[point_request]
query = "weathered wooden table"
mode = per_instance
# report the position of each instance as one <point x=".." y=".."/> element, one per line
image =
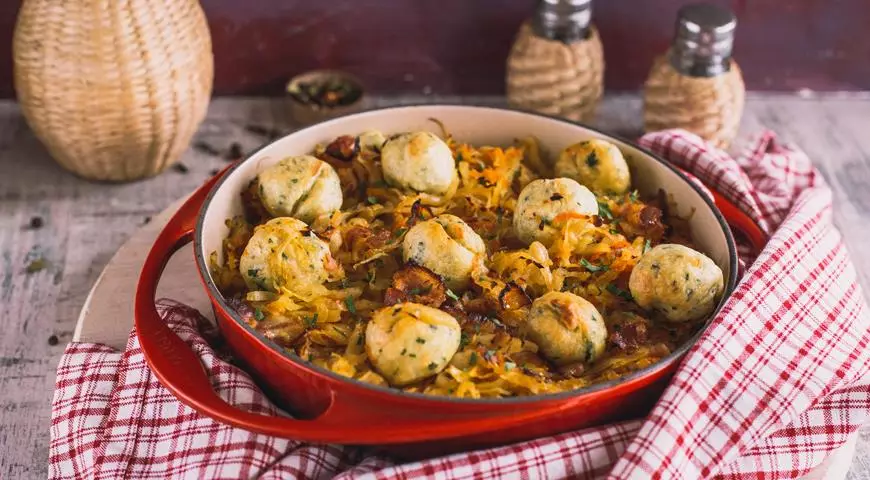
<point x="86" y="222"/>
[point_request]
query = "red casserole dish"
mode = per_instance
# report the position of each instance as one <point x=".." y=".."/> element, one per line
<point x="330" y="408"/>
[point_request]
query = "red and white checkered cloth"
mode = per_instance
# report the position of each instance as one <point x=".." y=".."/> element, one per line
<point x="776" y="383"/>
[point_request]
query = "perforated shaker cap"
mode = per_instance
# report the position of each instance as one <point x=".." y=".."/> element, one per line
<point x="703" y="39"/>
<point x="563" y="20"/>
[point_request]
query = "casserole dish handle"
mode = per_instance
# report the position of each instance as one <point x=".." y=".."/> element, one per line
<point x="741" y="222"/>
<point x="736" y="218"/>
<point x="179" y="369"/>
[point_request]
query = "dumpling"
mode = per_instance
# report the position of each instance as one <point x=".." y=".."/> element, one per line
<point x="567" y="328"/>
<point x="447" y="246"/>
<point x="284" y="253"/>
<point x="408" y="342"/>
<point x="597" y="164"/>
<point x="679" y="282"/>
<point x="419" y="161"/>
<point x="372" y="140"/>
<point x="543" y="200"/>
<point x="302" y="187"/>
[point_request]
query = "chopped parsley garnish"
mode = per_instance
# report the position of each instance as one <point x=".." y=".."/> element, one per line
<point x="619" y="292"/>
<point x="646" y="245"/>
<point x="421" y="340"/>
<point x="258" y="314"/>
<point x="433" y="366"/>
<point x="310" y="322"/>
<point x="591" y="267"/>
<point x="253" y="272"/>
<point x="492" y="318"/>
<point x="633" y="196"/>
<point x="400" y="232"/>
<point x="412" y="355"/>
<point x="604" y="210"/>
<point x="592" y="159"/>
<point x="590" y="350"/>
<point x="372" y="200"/>
<point x="472" y="360"/>
<point x="404" y="351"/>
<point x="452" y="295"/>
<point x="463" y="340"/>
<point x="351" y="307"/>
<point x="420" y="290"/>
<point x="489" y="355"/>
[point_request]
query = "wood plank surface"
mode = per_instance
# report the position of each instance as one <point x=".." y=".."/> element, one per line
<point x="85" y="224"/>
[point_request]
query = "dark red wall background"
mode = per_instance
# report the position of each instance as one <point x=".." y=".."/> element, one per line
<point x="459" y="46"/>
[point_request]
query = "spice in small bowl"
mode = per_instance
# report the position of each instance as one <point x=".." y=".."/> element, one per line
<point x="323" y="94"/>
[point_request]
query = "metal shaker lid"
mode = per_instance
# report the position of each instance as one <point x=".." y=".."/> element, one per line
<point x="703" y="39"/>
<point x="563" y="20"/>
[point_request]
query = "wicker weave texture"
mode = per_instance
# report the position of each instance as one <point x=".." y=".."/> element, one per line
<point x="711" y="107"/>
<point x="115" y="89"/>
<point x="555" y="78"/>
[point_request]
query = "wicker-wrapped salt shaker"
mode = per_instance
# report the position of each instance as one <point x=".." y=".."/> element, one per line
<point x="115" y="89"/>
<point x="696" y="85"/>
<point x="556" y="64"/>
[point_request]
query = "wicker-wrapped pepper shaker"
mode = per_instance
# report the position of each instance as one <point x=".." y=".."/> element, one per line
<point x="696" y="85"/>
<point x="556" y="65"/>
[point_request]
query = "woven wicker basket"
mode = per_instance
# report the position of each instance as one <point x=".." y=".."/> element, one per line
<point x="710" y="107"/>
<point x="115" y="89"/>
<point x="555" y="78"/>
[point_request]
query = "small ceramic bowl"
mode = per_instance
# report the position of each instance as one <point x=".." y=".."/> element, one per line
<point x="305" y="108"/>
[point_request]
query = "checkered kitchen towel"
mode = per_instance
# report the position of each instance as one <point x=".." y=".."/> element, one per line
<point x="777" y="382"/>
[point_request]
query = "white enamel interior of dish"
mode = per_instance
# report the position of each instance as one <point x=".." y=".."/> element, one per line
<point x="478" y="126"/>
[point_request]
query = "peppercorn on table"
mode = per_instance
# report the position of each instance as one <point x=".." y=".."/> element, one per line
<point x="58" y="232"/>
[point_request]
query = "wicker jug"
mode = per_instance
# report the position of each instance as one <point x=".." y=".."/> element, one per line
<point x="115" y="89"/>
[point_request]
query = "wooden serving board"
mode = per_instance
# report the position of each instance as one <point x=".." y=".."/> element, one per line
<point x="107" y="315"/>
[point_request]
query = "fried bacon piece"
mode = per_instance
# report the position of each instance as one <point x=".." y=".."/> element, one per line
<point x="359" y="238"/>
<point x="455" y="309"/>
<point x="512" y="305"/>
<point x="645" y="220"/>
<point x="343" y="148"/>
<point x="419" y="212"/>
<point x="413" y="283"/>
<point x="572" y="370"/>
<point x="512" y="297"/>
<point x="650" y="221"/>
<point x="255" y="212"/>
<point x="630" y="335"/>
